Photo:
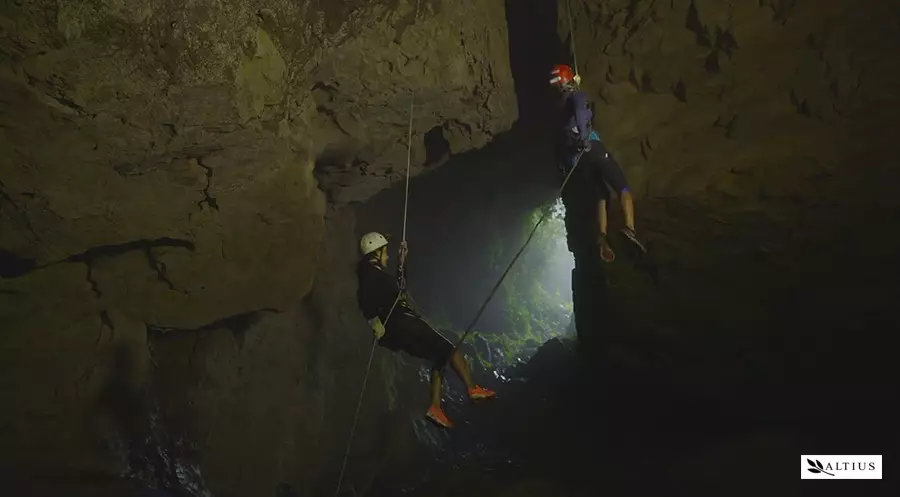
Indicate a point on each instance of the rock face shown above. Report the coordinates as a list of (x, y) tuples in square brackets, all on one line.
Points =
[(761, 323), (759, 138), (164, 175)]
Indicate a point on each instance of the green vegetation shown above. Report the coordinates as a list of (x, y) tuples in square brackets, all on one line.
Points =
[(535, 310)]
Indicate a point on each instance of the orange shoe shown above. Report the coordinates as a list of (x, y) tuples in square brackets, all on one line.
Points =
[(480, 393), (436, 414)]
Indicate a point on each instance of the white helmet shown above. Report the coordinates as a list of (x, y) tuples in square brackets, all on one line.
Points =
[(371, 242)]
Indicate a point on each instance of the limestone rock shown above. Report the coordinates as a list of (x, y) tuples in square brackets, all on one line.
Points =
[(738, 89), (164, 170)]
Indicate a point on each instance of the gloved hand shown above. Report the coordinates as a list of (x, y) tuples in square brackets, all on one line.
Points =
[(377, 327), (585, 146)]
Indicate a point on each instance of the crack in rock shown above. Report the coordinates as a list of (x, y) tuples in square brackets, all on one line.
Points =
[(89, 276), (237, 324), (159, 268), (123, 248), (208, 199), (62, 100), (15, 266), (693, 24), (106, 322)]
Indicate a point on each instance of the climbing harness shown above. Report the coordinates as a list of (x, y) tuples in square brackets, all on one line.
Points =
[(572, 39), (516, 257), (402, 279)]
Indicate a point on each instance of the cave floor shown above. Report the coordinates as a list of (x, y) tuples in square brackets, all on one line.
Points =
[(556, 430)]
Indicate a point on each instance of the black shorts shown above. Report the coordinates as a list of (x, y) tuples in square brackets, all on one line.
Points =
[(417, 338), (602, 169)]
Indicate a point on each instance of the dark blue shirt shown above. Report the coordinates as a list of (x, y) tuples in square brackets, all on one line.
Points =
[(573, 126), (578, 124)]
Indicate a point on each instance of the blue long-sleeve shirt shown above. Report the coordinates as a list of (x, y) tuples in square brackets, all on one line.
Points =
[(574, 126), (580, 115)]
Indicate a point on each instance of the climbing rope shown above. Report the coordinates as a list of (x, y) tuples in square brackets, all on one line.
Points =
[(362, 390), (516, 257), (401, 271), (572, 37), (544, 216), (408, 162), (355, 418)]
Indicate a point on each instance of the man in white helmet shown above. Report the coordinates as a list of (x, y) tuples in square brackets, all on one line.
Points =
[(397, 326)]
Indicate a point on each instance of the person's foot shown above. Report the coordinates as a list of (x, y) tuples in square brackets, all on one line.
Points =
[(437, 416), (632, 237), (480, 393), (606, 252)]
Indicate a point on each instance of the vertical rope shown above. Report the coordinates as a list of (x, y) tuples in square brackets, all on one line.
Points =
[(572, 36), (362, 392), (375, 341), (408, 161)]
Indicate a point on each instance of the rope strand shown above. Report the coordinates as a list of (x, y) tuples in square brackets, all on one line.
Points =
[(516, 257), (408, 161), (572, 36), (362, 392), (390, 313)]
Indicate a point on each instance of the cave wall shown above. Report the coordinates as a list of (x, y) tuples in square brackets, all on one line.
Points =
[(164, 180), (766, 101), (759, 140)]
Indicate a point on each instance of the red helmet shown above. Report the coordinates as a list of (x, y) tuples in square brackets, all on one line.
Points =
[(561, 75)]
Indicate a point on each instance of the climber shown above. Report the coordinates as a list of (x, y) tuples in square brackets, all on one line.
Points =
[(397, 326), (575, 136)]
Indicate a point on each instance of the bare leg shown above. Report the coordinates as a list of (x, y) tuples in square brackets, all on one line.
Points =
[(627, 208), (436, 387), (458, 363), (606, 252)]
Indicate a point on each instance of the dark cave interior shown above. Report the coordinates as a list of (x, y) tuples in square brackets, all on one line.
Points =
[(758, 327)]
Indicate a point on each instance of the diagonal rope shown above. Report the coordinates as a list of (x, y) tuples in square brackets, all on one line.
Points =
[(516, 257), (362, 392)]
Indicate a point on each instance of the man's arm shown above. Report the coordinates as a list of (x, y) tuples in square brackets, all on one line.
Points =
[(583, 114)]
